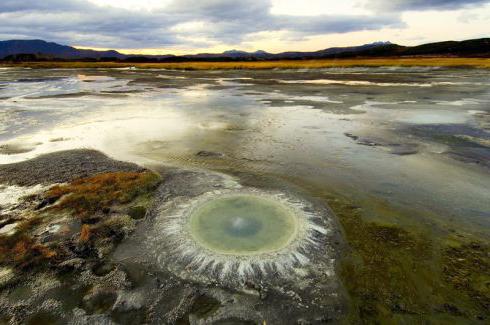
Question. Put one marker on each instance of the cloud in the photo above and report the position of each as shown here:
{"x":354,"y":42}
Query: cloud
{"x":48,"y":5}
{"x":424,"y":4}
{"x":83,"y":23}
{"x":186,"y":23}
{"x":220,"y":9}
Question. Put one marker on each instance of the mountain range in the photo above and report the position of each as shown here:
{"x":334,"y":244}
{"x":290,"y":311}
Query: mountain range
{"x":27,"y":50}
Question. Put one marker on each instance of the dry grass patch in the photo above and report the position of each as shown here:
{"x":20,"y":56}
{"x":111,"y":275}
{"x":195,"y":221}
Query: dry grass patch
{"x":92,"y":200}
{"x":89,"y":195}
{"x":22,"y":251}
{"x":261,"y":65}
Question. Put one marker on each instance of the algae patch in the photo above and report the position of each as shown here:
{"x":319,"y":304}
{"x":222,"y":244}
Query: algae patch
{"x":466,"y":267}
{"x":398,"y":275}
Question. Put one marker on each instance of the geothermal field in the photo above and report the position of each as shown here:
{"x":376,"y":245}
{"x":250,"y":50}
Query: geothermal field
{"x":282,"y":196}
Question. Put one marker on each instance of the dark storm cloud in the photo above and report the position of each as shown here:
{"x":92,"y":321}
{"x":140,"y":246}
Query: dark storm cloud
{"x":424,"y":4}
{"x":84,"y":23}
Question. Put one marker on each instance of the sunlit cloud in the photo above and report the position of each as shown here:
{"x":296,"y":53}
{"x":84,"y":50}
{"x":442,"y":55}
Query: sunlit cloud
{"x":164,"y":26}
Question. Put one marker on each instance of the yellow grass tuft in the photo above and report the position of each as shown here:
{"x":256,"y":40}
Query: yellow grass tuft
{"x":262,"y":65}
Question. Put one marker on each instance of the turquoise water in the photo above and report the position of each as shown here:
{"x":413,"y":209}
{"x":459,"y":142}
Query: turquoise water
{"x":243,"y":224}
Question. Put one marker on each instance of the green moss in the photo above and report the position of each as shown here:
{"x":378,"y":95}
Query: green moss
{"x":137,"y":212}
{"x":467,"y":269}
{"x":205,"y":306}
{"x":43,"y":318}
{"x":402,"y":275}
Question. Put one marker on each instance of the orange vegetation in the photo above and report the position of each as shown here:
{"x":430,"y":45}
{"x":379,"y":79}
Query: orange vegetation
{"x":21,"y":250}
{"x":280,"y":64}
{"x":85,"y":233}
{"x":86,"y":196}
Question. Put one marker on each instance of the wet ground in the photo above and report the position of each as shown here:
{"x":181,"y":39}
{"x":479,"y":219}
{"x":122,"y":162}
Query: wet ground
{"x":400,"y":156}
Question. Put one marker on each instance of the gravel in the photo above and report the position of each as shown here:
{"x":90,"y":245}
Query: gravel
{"x":61,"y":167}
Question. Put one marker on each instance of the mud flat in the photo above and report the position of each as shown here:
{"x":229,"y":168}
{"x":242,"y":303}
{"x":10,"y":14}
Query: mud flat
{"x":70,"y":210}
{"x":102,"y":243}
{"x":115,"y":242}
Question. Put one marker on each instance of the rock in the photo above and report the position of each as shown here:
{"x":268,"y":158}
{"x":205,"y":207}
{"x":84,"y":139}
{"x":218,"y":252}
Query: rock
{"x":404,"y":149}
{"x":451,"y":309}
{"x":473,"y":155}
{"x":102,"y":269}
{"x":6,"y":276}
{"x":367,"y":141}
{"x":80,"y":317}
{"x":15,"y":148}
{"x":352,"y":136}
{"x":8,"y":229}
{"x":72,"y":264}
{"x":45,"y":202}
{"x":120,"y":225}
{"x":137,"y":212}
{"x":51,"y":305}
{"x":99,"y":300}
{"x":395,"y":148}
{"x":127,"y":301}
{"x":204,"y":153}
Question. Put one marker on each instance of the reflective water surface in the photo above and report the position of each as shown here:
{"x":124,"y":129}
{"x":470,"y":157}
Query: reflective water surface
{"x":412,"y":141}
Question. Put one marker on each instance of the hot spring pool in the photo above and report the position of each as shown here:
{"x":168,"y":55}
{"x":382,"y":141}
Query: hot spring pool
{"x":243,"y":225}
{"x":238,"y":233}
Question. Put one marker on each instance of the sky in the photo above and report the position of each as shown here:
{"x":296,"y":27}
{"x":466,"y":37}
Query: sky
{"x":212,"y":26}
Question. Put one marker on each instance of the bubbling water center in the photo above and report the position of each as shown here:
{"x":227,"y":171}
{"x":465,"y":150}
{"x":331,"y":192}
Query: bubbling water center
{"x":238,"y":235}
{"x":243,"y":225}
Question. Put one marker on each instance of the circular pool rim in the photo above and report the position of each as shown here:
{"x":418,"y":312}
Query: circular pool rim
{"x":178,"y":251}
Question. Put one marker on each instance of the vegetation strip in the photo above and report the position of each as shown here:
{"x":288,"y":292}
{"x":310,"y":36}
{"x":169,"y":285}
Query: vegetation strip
{"x":263,"y":65}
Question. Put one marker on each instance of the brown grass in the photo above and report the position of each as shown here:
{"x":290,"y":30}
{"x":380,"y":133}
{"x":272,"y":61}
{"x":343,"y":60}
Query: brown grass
{"x":98,"y":193}
{"x":260,"y":65}
{"x":84,"y":197}
{"x":99,"y":239}
{"x":85,"y":233}
{"x":22,"y":251}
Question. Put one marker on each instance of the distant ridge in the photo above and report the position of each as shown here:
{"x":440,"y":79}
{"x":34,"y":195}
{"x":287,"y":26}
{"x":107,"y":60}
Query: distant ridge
{"x":51,"y":50}
{"x":39,"y":50}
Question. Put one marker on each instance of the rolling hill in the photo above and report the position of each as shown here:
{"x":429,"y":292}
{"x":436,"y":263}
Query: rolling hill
{"x":31,"y":50}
